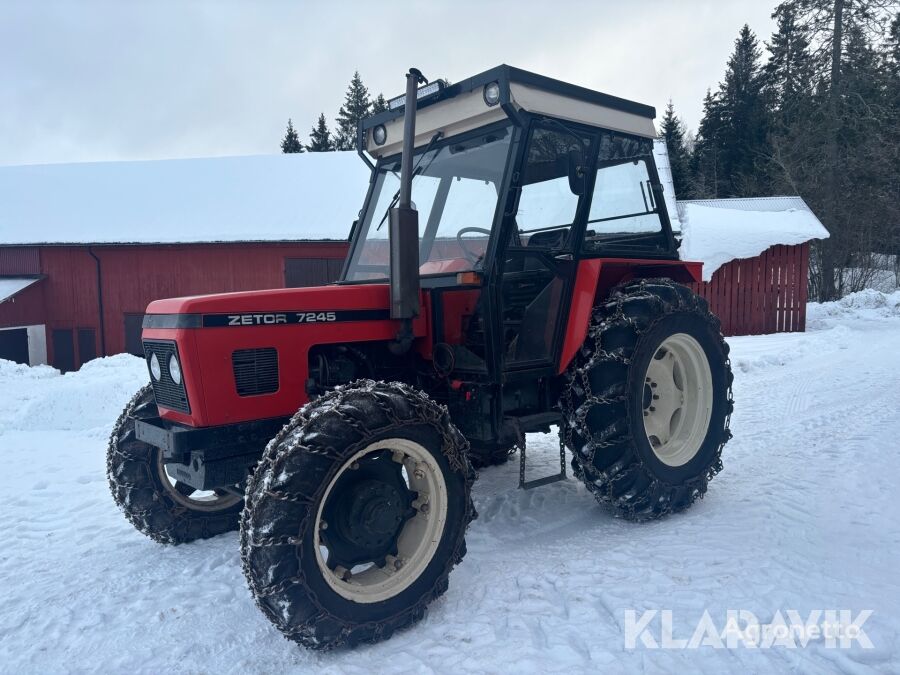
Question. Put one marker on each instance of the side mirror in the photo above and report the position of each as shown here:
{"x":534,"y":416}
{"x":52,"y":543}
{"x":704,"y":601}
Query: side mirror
{"x":577,"y":172}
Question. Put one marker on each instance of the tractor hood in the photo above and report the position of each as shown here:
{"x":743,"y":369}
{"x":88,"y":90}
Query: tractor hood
{"x":272,"y":307}
{"x":245,"y":356}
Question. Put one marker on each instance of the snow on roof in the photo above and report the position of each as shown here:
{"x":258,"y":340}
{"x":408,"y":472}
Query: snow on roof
{"x":10,"y":286}
{"x":717,"y":231}
{"x":295,"y":197}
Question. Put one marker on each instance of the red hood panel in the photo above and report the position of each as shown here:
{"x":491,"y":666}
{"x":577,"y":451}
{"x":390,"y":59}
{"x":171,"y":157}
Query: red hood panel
{"x":363,"y":296}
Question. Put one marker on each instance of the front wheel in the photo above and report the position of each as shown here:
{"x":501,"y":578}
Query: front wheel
{"x":159,"y":506}
{"x":356,"y":515}
{"x":648,"y":400}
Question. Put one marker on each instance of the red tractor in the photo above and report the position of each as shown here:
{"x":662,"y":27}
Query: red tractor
{"x":513,"y":269}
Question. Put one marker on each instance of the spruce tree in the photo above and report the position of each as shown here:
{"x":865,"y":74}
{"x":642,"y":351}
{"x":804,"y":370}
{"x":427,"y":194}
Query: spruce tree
{"x":356,"y":106}
{"x":706,"y":169}
{"x":788,"y":76}
{"x":320,"y":137}
{"x":672,"y":132}
{"x":744,"y":121}
{"x":379,"y":104}
{"x":291,"y":141}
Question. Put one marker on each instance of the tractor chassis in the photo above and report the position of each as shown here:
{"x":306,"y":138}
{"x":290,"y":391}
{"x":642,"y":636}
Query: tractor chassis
{"x":209,"y":457}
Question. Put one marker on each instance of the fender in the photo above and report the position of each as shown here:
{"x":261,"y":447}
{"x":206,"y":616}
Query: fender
{"x":594,"y":280}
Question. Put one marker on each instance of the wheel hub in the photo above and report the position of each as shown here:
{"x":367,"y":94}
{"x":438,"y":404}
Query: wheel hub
{"x":367,"y":512}
{"x":677,"y":399}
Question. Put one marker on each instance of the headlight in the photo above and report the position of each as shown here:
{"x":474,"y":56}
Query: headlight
{"x":175,"y":369}
{"x":379,"y":134}
{"x":492,"y":93}
{"x":154,"y":367}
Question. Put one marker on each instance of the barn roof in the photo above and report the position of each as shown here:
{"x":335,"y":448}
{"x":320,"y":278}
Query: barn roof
{"x":306,"y":197}
{"x":717,"y":231}
{"x":296,"y":197}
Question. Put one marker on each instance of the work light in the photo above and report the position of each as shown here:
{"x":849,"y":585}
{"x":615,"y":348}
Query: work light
{"x":379,"y":134}
{"x":492,"y":93}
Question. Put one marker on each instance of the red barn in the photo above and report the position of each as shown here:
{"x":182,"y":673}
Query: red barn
{"x":85,"y":247}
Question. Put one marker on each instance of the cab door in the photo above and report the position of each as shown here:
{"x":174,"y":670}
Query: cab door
{"x":538,"y":265}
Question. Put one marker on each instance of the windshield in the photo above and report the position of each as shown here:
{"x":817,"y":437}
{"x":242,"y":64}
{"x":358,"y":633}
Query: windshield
{"x":454,"y":189}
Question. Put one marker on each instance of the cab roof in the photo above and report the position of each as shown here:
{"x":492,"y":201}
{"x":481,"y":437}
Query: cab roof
{"x":519,"y":90}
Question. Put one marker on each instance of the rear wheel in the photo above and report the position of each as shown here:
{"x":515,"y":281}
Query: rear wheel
{"x":158,"y":505}
{"x":356,"y":515}
{"x":648,"y":400}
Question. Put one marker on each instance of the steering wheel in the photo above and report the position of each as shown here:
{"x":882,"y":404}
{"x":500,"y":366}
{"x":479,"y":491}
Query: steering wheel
{"x":470,"y":255}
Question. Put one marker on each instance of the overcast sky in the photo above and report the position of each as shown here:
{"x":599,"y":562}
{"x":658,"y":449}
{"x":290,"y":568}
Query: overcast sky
{"x":97,"y":80}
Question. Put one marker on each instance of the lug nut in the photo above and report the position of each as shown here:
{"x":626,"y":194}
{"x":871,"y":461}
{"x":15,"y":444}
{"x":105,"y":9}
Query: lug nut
{"x":419,"y":474}
{"x":354,"y":466}
{"x":398,"y":564}
{"x":424,"y":508}
{"x":655,"y":397}
{"x":323,"y":525}
{"x":652,"y":409}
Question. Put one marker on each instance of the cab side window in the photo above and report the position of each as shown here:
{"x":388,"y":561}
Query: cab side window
{"x":623,"y":201}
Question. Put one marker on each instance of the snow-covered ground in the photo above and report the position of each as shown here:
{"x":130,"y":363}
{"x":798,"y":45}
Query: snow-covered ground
{"x":804,"y":517}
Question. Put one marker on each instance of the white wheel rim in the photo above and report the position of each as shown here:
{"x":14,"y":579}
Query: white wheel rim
{"x":677,"y":397}
{"x":418,"y":540}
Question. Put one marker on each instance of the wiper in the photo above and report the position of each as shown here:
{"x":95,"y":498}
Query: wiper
{"x":417,"y":169}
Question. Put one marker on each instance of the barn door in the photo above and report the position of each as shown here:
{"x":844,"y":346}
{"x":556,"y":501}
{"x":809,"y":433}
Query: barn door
{"x":63,"y":350}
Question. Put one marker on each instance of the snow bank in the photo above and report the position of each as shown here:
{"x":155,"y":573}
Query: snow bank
{"x":44,"y":399}
{"x":866,"y":305}
{"x":717,"y":235}
{"x":292,"y":197}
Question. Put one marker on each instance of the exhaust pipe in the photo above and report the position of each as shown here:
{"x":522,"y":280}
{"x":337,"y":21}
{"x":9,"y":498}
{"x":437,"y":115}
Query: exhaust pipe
{"x":404,"y":228}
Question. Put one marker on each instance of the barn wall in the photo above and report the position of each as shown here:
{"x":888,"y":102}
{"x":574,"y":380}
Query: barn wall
{"x":134,"y":276}
{"x":765,"y":294}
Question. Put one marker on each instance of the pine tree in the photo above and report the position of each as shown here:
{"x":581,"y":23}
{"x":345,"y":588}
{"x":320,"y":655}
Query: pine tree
{"x":320,"y":137}
{"x":291,"y":141}
{"x":673,"y":133}
{"x":356,"y":106}
{"x":379,"y":104}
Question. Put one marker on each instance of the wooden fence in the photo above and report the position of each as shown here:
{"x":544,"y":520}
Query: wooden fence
{"x":765,"y":294}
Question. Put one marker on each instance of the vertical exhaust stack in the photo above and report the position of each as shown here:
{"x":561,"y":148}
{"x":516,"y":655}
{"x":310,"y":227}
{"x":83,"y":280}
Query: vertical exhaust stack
{"x":404,"y":227}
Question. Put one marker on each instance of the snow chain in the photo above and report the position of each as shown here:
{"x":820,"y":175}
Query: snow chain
{"x":424,"y":410}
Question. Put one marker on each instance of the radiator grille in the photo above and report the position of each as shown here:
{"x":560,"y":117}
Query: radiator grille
{"x":255,"y":371}
{"x":168,"y":394}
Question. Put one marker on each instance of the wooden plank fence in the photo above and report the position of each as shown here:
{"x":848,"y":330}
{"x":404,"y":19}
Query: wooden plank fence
{"x":765,"y":294}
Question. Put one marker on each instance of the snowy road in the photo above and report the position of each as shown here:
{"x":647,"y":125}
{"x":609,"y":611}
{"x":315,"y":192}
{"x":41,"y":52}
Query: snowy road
{"x":803,"y":517}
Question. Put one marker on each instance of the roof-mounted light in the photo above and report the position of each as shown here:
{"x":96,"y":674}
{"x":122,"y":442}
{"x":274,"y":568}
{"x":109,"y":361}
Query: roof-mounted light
{"x":491,"y":93}
{"x":424,"y":91}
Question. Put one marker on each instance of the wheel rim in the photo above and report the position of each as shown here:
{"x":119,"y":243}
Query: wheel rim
{"x":677,"y":399}
{"x":187,"y":496}
{"x":361,"y":555}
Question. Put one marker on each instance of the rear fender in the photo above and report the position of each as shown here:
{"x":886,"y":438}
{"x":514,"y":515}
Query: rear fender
{"x":595,"y":279}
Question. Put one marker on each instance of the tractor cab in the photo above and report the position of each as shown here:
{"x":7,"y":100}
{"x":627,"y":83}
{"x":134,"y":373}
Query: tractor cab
{"x":516,"y":178}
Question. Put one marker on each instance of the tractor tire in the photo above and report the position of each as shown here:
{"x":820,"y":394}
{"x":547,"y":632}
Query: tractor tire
{"x":356,"y":514}
{"x":647,"y":401}
{"x":165,"y":510}
{"x":483,"y":456}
